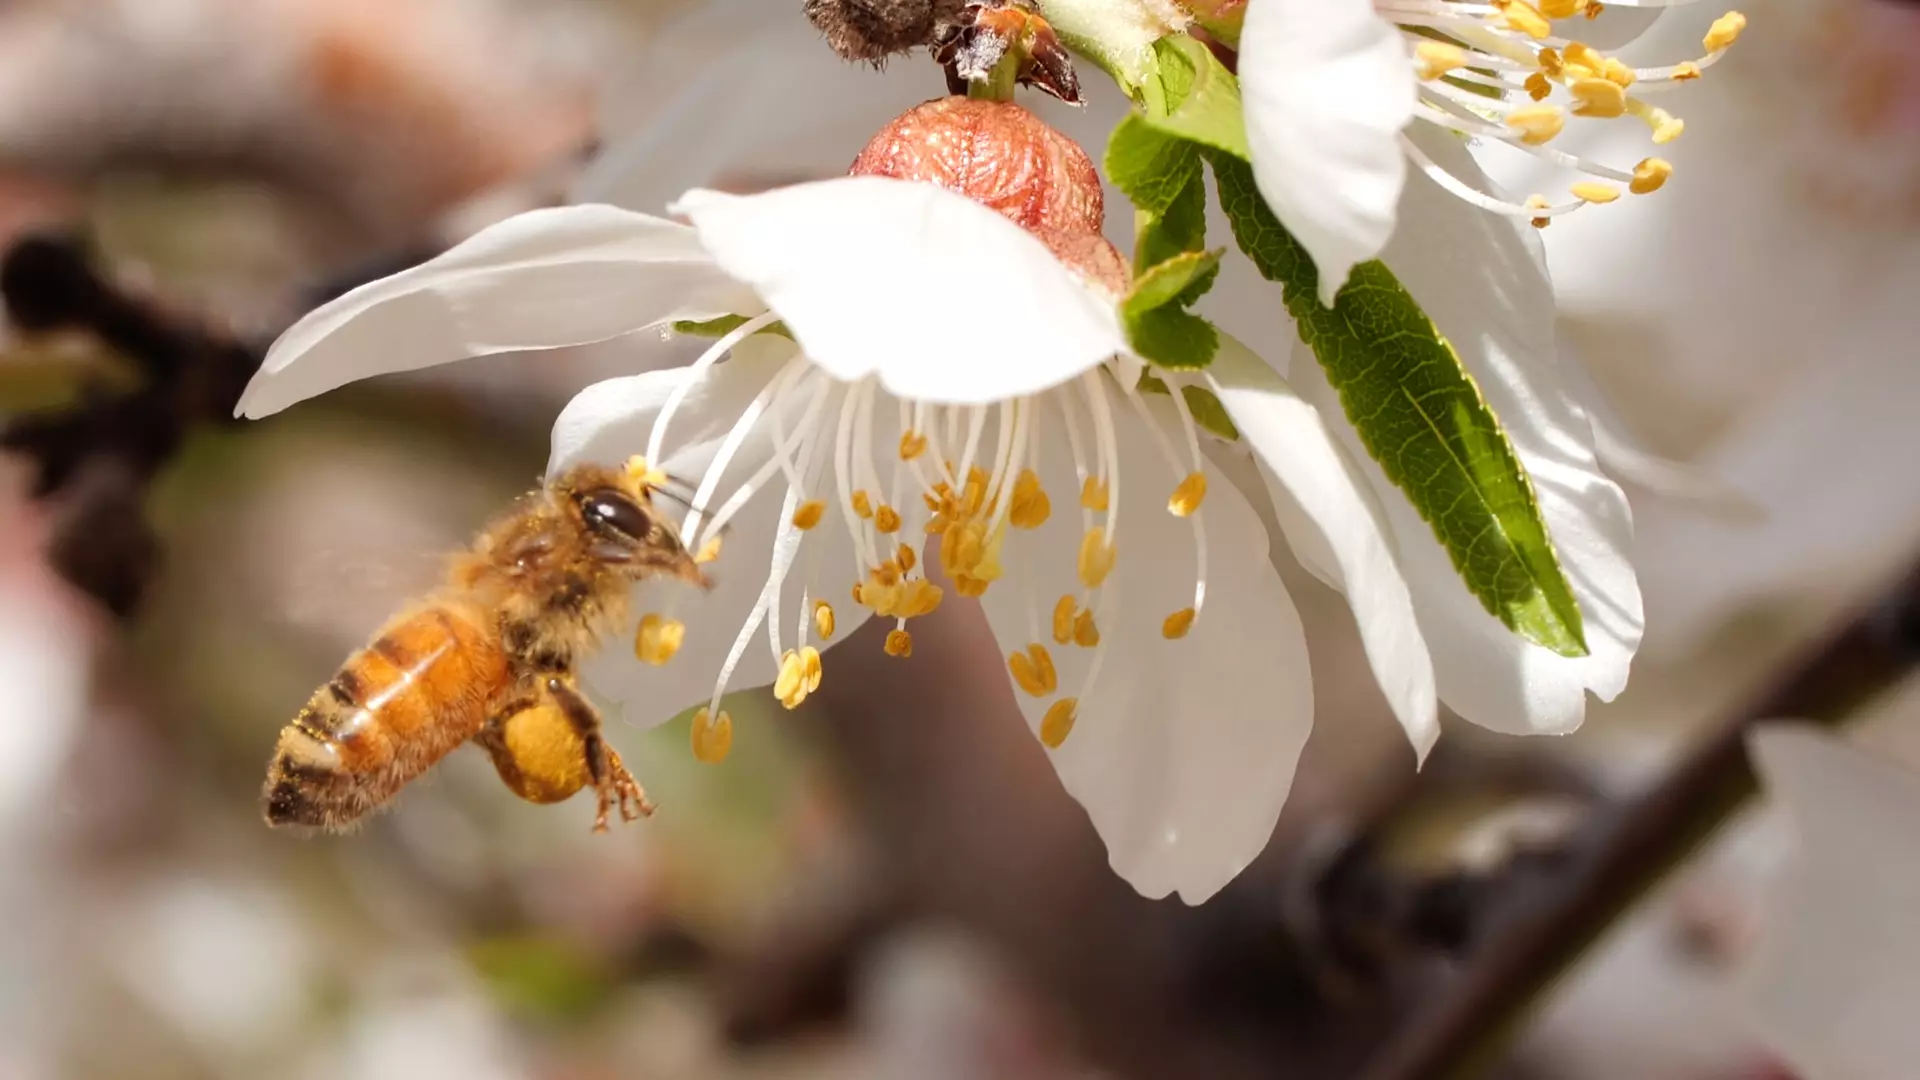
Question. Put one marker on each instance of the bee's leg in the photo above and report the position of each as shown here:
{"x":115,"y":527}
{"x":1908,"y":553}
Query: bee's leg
{"x":611,"y":780}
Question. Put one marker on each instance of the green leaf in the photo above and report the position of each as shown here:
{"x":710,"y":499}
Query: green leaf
{"x":1421,"y":416}
{"x":1167,"y":282}
{"x":1173,"y":338}
{"x":1149,"y":167}
{"x":1180,"y":228}
{"x":727,"y":324}
{"x":1193,"y":97}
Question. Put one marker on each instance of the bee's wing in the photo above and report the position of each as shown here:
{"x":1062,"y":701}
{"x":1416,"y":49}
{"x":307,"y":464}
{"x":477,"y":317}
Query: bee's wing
{"x":347,"y":595}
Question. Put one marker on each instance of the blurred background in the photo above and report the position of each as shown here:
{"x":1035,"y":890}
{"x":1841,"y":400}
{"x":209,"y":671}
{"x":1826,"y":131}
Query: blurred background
{"x":888,"y":882}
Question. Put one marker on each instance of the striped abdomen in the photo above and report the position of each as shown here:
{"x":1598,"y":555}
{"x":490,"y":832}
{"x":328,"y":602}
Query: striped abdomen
{"x":404,"y":702}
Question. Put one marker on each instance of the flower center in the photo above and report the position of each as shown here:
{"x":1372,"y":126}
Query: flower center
{"x":1509,"y":71}
{"x":895,"y":474}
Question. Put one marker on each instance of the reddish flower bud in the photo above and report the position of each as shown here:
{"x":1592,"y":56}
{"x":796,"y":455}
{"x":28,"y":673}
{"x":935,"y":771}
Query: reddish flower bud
{"x":995,"y":153}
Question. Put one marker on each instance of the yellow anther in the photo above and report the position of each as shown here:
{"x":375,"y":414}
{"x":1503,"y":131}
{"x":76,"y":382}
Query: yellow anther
{"x":1618,"y":73}
{"x":1649,"y":175}
{"x":912,"y":445}
{"x":712,"y":736}
{"x":1595,"y":192}
{"x":709,"y":551}
{"x":1598,"y":97}
{"x":1538,"y":86}
{"x":823,"y":619}
{"x":1188,"y":496}
{"x":1537,"y":124}
{"x":1085,"y":633}
{"x":1033,"y":670}
{"x":862,"y":505}
{"x":968,"y":585}
{"x":1058,"y":723}
{"x":1560,"y":9}
{"x":1031,"y":507}
{"x":1550,"y":62}
{"x":1433,"y":59}
{"x":886,"y":520}
{"x":887,"y":574}
{"x":1096,"y":557}
{"x":1686,"y":71}
{"x":1063,"y":620}
{"x":1594,"y":8}
{"x":906,"y":558}
{"x":859,"y":593}
{"x":1668,"y":129}
{"x":973,"y":496}
{"x":960,"y":552}
{"x":812,"y":668}
{"x":1177,"y":624}
{"x":1724,"y":31}
{"x":808,"y":514}
{"x":642,"y":475}
{"x":791,"y":685}
{"x":659,"y":638}
{"x":1524,"y":17}
{"x":918,"y":597}
{"x":1093,"y":495}
{"x":936,"y":525}
{"x":899,"y":643}
{"x":1583,"y":61}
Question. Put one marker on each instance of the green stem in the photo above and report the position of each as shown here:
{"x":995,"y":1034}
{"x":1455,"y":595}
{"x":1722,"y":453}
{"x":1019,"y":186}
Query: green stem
{"x":1001,"y":81}
{"x":1632,"y":849}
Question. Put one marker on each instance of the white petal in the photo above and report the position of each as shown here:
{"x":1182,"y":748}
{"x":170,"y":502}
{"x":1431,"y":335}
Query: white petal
{"x":1837,"y":969}
{"x":1480,"y":279}
{"x":1184,"y":751}
{"x":1328,"y":85}
{"x":1323,"y":505}
{"x":609,"y":422}
{"x":943,"y":299}
{"x":547,"y":278}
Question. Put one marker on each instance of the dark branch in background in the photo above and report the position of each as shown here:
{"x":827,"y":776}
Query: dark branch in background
{"x":95,"y":459}
{"x":1624,"y":852}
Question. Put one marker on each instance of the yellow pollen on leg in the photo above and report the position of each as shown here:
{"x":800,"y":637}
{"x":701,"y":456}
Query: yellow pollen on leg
{"x":712,"y":736}
{"x":1093,"y":495}
{"x":1433,"y":59}
{"x":912,"y":445}
{"x":1085,"y":633}
{"x":1599,"y":97}
{"x":808,"y":514}
{"x":1063,"y":620}
{"x":1724,"y":31}
{"x":899,"y":643}
{"x":1031,"y":507}
{"x":1649,"y":175}
{"x":1595,"y":192}
{"x":1177,"y":624}
{"x":1058,"y":723}
{"x":1537,"y":124}
{"x":886,"y":520}
{"x":659,"y":638}
{"x":1033,"y":670}
{"x":1096,"y":557}
{"x":1188,"y":496}
{"x":823,"y":619}
{"x":862,"y":504}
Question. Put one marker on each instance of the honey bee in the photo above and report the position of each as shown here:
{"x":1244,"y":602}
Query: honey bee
{"x":965,"y":37}
{"x":490,"y":657}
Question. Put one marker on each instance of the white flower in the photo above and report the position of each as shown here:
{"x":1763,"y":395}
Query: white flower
{"x":944,"y":369}
{"x":1331,"y":85}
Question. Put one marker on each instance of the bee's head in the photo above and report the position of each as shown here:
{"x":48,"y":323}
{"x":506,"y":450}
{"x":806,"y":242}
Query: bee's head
{"x":616,"y":508}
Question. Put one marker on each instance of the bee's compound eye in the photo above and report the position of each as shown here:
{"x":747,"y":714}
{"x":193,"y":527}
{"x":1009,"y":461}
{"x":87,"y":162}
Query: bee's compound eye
{"x":609,"y":510}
